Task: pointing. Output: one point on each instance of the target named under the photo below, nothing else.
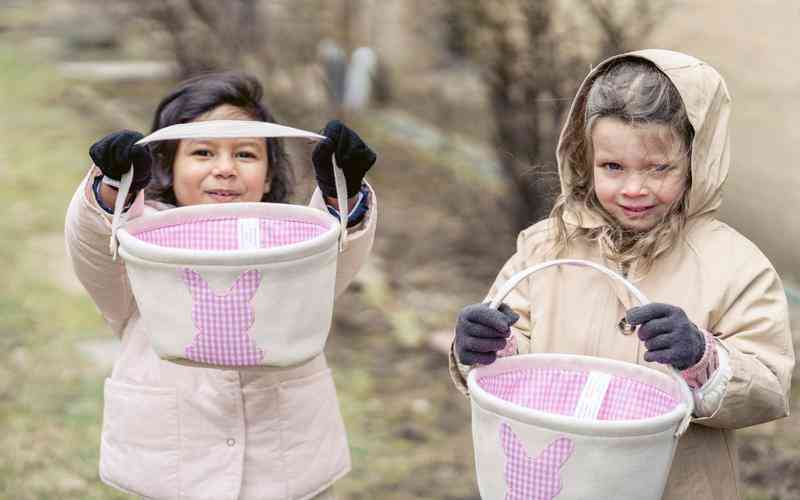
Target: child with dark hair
(172, 431)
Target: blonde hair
(635, 91)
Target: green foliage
(50, 402)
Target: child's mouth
(636, 212)
(222, 196)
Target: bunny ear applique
(557, 453)
(510, 441)
(194, 281)
(247, 284)
(533, 478)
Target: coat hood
(708, 106)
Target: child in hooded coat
(642, 160)
(172, 431)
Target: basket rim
(565, 423)
(150, 252)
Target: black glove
(481, 331)
(668, 334)
(353, 156)
(114, 153)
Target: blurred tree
(456, 32)
(206, 34)
(532, 66)
(348, 16)
(621, 28)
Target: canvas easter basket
(234, 285)
(566, 427)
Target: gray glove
(668, 334)
(481, 331)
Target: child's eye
(204, 153)
(612, 166)
(247, 155)
(661, 169)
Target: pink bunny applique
(533, 478)
(222, 321)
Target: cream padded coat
(176, 432)
(722, 281)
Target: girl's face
(639, 171)
(220, 170)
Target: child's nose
(224, 166)
(634, 186)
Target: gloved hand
(114, 153)
(481, 331)
(668, 334)
(353, 156)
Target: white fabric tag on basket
(592, 395)
(249, 233)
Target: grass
(50, 400)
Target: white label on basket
(592, 396)
(249, 232)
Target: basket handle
(120, 217)
(341, 198)
(226, 128)
(640, 297)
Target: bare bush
(532, 63)
(623, 25)
(206, 35)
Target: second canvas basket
(568, 427)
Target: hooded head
(642, 101)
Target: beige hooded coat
(722, 281)
(177, 432)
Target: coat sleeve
(517, 300)
(359, 241)
(753, 329)
(87, 231)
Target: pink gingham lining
(215, 233)
(533, 478)
(557, 391)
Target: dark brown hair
(199, 95)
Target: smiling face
(639, 171)
(220, 170)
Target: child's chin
(638, 226)
(211, 199)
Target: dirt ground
(413, 411)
